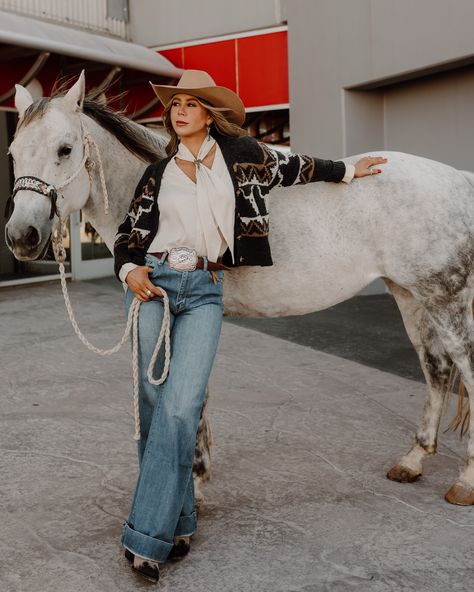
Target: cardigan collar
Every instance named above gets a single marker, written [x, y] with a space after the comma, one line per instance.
[224, 143]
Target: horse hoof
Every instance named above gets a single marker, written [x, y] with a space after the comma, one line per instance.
[460, 494]
[402, 474]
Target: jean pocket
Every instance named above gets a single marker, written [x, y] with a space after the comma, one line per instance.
[153, 263]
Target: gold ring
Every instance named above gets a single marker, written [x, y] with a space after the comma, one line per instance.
[149, 292]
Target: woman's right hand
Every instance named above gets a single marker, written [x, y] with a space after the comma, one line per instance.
[137, 280]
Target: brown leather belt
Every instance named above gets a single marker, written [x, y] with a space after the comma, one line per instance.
[211, 265]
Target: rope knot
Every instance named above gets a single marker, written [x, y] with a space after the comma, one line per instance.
[90, 164]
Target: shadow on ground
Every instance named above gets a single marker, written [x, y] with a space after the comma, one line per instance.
[365, 329]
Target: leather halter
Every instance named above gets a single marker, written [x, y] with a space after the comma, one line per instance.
[30, 183]
[33, 184]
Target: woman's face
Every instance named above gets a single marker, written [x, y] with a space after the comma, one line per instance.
[188, 117]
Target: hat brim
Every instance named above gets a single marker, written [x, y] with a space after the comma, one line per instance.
[217, 96]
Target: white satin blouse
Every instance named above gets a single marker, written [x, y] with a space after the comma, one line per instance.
[198, 215]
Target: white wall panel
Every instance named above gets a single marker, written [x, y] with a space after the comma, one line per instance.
[86, 14]
[160, 22]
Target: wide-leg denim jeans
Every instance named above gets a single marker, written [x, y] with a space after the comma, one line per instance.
[163, 503]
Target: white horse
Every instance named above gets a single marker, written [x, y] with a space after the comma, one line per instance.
[413, 226]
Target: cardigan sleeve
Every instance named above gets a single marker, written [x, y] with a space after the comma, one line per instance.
[121, 251]
[292, 169]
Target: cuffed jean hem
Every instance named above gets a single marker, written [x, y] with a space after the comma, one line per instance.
[144, 545]
[186, 525]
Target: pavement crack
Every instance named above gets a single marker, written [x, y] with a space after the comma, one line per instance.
[358, 573]
[415, 508]
[266, 382]
[365, 488]
[401, 417]
[327, 461]
[60, 551]
[102, 509]
[51, 455]
[231, 412]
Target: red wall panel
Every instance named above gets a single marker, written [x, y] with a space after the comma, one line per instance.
[263, 69]
[218, 59]
[256, 67]
[175, 56]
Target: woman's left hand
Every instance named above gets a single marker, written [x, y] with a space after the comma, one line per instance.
[363, 166]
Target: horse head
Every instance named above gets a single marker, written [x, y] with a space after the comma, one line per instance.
[49, 160]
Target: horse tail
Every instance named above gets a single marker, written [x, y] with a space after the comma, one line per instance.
[463, 411]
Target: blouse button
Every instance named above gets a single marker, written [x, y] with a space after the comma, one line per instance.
[241, 260]
[239, 237]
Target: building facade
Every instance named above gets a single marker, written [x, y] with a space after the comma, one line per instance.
[359, 75]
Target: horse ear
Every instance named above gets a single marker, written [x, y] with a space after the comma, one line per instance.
[74, 97]
[23, 99]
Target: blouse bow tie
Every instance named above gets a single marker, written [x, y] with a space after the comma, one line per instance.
[214, 202]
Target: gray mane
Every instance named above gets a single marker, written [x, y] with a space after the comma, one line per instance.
[143, 143]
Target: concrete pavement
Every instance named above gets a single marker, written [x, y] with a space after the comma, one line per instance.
[298, 500]
[364, 329]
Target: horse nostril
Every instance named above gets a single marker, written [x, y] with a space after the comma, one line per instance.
[32, 237]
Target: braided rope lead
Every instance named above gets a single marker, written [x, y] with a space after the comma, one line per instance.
[84, 162]
[89, 140]
[131, 326]
[89, 164]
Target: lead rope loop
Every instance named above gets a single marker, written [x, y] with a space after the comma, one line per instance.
[133, 313]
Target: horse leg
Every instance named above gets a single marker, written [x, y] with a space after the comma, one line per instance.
[437, 367]
[202, 454]
[454, 322]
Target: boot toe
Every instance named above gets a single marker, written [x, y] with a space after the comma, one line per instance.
[179, 549]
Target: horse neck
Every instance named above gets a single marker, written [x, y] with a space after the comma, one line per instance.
[122, 171]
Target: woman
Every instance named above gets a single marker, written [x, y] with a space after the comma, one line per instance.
[195, 213]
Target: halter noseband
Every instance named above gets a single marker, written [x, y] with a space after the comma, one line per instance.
[37, 185]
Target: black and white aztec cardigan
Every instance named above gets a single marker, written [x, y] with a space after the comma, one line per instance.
[255, 169]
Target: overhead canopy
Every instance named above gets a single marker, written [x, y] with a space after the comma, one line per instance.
[22, 31]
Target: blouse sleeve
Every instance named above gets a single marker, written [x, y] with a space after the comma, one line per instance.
[125, 270]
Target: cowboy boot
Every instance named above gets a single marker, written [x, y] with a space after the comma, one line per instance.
[147, 568]
[180, 548]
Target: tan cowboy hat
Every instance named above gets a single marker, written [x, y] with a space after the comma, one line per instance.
[199, 84]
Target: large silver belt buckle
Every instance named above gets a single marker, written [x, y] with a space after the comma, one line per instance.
[182, 259]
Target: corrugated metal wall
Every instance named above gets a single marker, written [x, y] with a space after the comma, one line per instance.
[86, 14]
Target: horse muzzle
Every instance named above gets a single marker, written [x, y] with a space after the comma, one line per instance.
[26, 244]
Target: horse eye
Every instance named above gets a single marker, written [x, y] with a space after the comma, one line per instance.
[64, 151]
